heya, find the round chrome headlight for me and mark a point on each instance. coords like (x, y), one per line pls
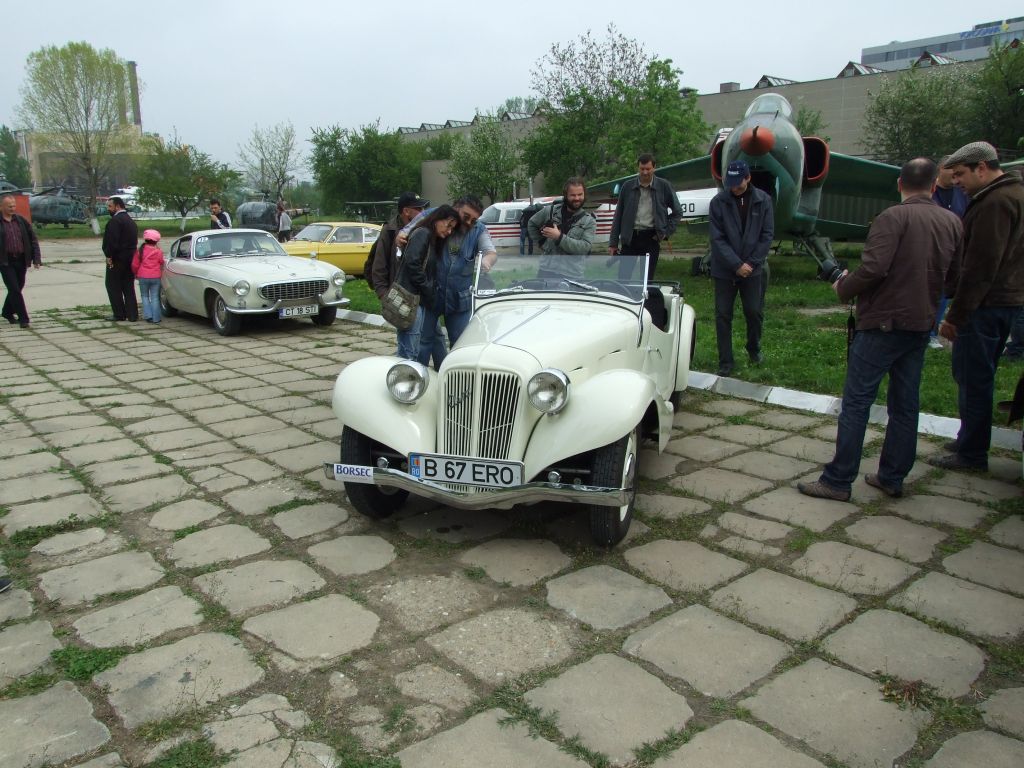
(407, 381)
(548, 390)
(242, 288)
(338, 278)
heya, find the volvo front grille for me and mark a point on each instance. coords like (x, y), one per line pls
(301, 289)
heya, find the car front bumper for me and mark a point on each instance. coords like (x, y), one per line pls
(495, 498)
(342, 302)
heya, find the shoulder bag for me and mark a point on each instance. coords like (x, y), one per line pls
(399, 305)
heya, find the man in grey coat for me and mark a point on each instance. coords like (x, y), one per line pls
(742, 224)
(565, 232)
(648, 212)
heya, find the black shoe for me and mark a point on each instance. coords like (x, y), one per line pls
(5, 584)
(10, 319)
(888, 490)
(725, 370)
(820, 490)
(951, 446)
(113, 319)
(956, 461)
(23, 323)
(757, 358)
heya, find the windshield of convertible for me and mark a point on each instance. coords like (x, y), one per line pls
(616, 277)
(314, 233)
(235, 243)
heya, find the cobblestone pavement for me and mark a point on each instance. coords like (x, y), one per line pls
(187, 585)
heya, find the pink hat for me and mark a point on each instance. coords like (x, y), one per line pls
(152, 235)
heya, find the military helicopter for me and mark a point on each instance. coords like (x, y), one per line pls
(56, 205)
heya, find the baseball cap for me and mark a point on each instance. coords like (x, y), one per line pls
(975, 152)
(737, 172)
(412, 200)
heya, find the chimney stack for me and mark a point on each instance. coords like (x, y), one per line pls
(133, 84)
(728, 87)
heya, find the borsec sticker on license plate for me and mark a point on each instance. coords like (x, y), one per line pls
(353, 473)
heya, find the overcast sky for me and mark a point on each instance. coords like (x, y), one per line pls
(213, 70)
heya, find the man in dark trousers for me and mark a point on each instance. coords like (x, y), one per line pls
(384, 263)
(988, 297)
(911, 254)
(524, 227)
(120, 239)
(742, 224)
(648, 212)
(19, 247)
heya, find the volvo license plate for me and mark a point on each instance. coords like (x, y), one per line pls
(304, 311)
(489, 473)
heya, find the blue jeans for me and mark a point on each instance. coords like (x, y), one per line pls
(873, 354)
(149, 288)
(431, 341)
(524, 238)
(976, 351)
(409, 340)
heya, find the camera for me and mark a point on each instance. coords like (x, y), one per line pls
(830, 270)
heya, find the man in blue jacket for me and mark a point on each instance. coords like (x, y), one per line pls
(742, 224)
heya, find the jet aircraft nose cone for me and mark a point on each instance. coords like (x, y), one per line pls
(757, 141)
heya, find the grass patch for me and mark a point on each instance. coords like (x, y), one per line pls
(26, 686)
(181, 533)
(285, 506)
(398, 720)
(1006, 660)
(158, 730)
(191, 754)
(958, 540)
(81, 664)
(475, 573)
(673, 740)
(802, 539)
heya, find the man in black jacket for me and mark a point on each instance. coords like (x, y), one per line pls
(642, 219)
(742, 224)
(383, 261)
(120, 240)
(18, 246)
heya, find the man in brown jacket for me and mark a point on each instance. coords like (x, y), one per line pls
(910, 256)
(988, 297)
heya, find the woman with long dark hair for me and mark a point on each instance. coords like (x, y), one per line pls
(417, 271)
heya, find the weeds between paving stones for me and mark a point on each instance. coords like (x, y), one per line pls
(81, 664)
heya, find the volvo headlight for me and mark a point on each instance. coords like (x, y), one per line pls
(407, 381)
(338, 278)
(242, 288)
(549, 390)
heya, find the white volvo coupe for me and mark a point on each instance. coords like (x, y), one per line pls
(547, 396)
(226, 274)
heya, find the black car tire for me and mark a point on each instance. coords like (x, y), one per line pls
(326, 316)
(376, 503)
(615, 467)
(165, 306)
(224, 322)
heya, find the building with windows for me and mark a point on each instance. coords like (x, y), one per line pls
(969, 45)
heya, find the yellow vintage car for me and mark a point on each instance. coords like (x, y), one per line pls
(345, 244)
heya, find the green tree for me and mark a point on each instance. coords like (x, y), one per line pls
(74, 98)
(270, 158)
(178, 177)
(809, 122)
(919, 113)
(487, 165)
(13, 167)
(524, 105)
(998, 98)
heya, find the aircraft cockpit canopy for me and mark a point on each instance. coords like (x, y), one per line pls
(770, 103)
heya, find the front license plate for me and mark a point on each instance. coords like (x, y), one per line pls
(458, 469)
(304, 311)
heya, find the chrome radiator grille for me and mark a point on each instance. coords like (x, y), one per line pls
(301, 289)
(479, 413)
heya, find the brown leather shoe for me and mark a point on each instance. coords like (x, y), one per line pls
(820, 490)
(956, 461)
(888, 490)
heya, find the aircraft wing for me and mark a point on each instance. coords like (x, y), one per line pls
(689, 174)
(858, 177)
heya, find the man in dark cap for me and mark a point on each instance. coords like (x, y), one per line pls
(383, 260)
(742, 224)
(988, 296)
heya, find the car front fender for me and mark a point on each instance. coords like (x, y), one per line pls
(687, 329)
(362, 402)
(600, 411)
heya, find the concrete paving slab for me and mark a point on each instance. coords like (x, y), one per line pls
(795, 608)
(694, 422)
(134, 497)
(110, 450)
(753, 527)
(670, 507)
(605, 597)
(972, 487)
(124, 470)
(838, 713)
(181, 438)
(975, 609)
(993, 566)
(184, 514)
(717, 656)
(87, 436)
(65, 423)
(16, 604)
(767, 465)
(25, 648)
(20, 490)
(122, 572)
(95, 543)
(517, 562)
(1004, 710)
(939, 509)
(897, 537)
(172, 679)
(309, 519)
(140, 619)
(981, 748)
(702, 448)
(852, 569)
(275, 440)
(1009, 532)
(746, 434)
(253, 469)
(612, 706)
(431, 683)
(250, 425)
(48, 728)
(486, 739)
(788, 505)
(261, 584)
(171, 423)
(316, 632)
(732, 408)
(257, 499)
(683, 565)
(455, 525)
(734, 744)
(32, 464)
(720, 485)
(754, 549)
(353, 555)
(214, 545)
(908, 649)
(498, 646)
(427, 602)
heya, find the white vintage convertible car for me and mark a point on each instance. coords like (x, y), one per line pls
(227, 274)
(547, 396)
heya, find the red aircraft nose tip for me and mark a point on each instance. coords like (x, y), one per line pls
(757, 141)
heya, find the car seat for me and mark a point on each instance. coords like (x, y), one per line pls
(654, 303)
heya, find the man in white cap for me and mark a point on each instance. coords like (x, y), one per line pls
(988, 297)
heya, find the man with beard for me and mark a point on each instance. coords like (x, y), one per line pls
(565, 233)
(120, 239)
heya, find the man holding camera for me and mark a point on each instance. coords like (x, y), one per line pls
(742, 223)
(912, 253)
(565, 233)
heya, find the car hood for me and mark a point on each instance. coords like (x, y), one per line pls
(569, 335)
(273, 269)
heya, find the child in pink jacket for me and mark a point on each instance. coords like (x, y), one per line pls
(148, 265)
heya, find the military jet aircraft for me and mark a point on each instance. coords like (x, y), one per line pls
(819, 195)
